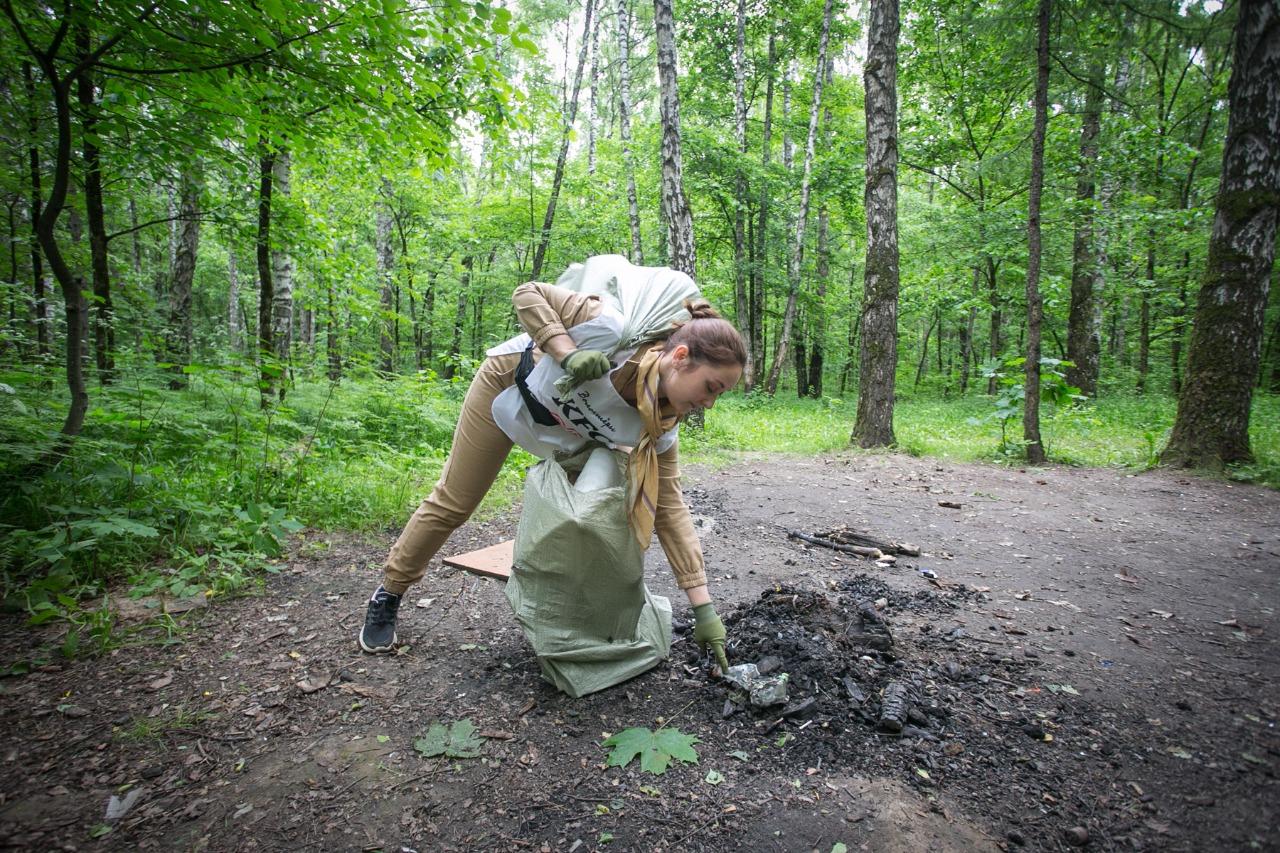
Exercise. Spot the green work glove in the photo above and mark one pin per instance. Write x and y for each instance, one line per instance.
(708, 630)
(586, 364)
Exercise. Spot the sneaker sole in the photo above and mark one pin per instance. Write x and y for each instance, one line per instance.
(373, 650)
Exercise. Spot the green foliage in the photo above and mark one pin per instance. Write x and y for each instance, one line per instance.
(656, 749)
(1010, 399)
(456, 740)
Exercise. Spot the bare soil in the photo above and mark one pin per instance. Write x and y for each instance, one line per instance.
(1093, 666)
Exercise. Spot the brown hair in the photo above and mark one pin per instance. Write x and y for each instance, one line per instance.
(711, 339)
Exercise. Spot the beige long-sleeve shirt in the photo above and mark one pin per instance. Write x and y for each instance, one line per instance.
(545, 311)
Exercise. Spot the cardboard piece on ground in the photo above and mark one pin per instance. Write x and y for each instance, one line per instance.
(492, 562)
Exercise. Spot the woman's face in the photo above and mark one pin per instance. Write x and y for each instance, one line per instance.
(688, 385)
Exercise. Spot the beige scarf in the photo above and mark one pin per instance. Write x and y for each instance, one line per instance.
(644, 458)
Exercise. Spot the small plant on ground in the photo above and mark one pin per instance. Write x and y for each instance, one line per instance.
(656, 749)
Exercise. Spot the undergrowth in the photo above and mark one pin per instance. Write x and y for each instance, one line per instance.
(196, 491)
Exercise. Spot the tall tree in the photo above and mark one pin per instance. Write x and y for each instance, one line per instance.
(624, 127)
(742, 299)
(682, 254)
(1031, 400)
(1212, 424)
(571, 112)
(760, 262)
(385, 260)
(879, 343)
(281, 259)
(103, 324)
(796, 265)
(1084, 318)
(178, 329)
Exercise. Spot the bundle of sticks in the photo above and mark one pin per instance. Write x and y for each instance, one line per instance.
(852, 542)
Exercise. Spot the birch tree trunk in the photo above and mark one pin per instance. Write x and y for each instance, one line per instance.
(740, 257)
(681, 252)
(802, 216)
(760, 262)
(879, 344)
(540, 254)
(1083, 341)
(178, 327)
(592, 111)
(282, 262)
(1212, 424)
(817, 346)
(1031, 402)
(624, 127)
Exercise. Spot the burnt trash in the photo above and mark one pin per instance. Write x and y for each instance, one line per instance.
(894, 707)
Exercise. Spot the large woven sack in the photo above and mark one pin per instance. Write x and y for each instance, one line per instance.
(577, 584)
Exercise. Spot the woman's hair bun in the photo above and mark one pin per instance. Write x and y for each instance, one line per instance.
(700, 309)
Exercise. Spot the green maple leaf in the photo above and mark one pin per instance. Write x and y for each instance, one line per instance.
(457, 740)
(656, 749)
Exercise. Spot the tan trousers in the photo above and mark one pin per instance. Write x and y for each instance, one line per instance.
(479, 449)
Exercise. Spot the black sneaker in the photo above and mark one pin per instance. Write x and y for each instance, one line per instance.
(379, 633)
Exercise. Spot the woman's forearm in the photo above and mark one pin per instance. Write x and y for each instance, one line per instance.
(698, 595)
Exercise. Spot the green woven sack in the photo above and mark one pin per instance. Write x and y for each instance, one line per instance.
(577, 584)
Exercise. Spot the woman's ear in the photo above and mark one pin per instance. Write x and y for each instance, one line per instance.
(680, 355)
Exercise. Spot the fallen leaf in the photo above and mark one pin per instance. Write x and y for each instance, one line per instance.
(313, 685)
(714, 777)
(162, 681)
(371, 691)
(425, 602)
(495, 734)
(1163, 614)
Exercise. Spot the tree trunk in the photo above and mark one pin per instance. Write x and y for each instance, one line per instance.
(681, 250)
(879, 350)
(923, 362)
(817, 345)
(855, 319)
(761, 261)
(795, 267)
(1144, 328)
(966, 332)
(72, 286)
(282, 264)
(332, 345)
(1212, 424)
(460, 321)
(103, 326)
(268, 366)
(1082, 328)
(592, 102)
(428, 318)
(178, 327)
(741, 259)
(1031, 402)
(385, 271)
(233, 301)
(624, 127)
(997, 316)
(39, 286)
(571, 113)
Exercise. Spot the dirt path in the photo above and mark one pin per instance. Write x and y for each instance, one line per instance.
(1095, 665)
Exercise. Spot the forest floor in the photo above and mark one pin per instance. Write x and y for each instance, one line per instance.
(1096, 664)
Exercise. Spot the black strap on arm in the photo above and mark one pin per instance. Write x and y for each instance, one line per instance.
(541, 415)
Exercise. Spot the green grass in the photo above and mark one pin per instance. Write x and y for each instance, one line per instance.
(1124, 431)
(179, 492)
